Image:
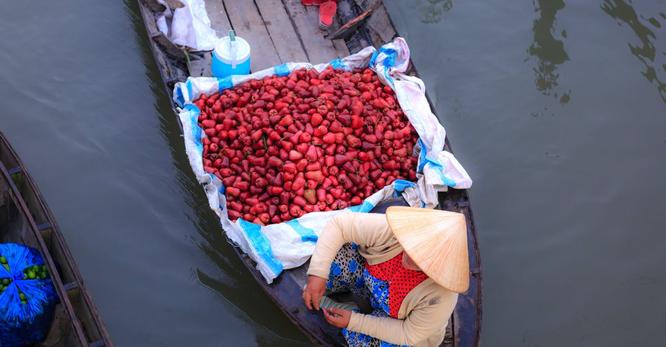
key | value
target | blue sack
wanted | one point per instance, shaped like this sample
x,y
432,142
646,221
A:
x,y
27,296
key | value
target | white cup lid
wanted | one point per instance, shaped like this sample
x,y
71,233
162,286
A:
x,y
240,45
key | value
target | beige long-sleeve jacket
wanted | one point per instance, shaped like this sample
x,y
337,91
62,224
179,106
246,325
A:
x,y
423,314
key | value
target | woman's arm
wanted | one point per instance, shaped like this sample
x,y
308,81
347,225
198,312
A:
x,y
369,230
422,323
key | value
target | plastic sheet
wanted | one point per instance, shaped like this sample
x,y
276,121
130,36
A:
x,y
188,25
24,323
287,245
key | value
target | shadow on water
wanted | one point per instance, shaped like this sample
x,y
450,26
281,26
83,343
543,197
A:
x,y
433,10
236,286
646,52
548,50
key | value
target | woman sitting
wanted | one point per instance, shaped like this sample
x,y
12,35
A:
x,y
411,263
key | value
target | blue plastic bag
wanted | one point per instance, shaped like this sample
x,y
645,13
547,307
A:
x,y
26,304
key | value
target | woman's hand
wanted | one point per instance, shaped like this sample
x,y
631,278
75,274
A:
x,y
337,317
313,291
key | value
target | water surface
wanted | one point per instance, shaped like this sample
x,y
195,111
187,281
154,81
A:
x,y
86,109
557,109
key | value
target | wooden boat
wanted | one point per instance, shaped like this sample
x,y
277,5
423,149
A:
x,y
25,219
281,31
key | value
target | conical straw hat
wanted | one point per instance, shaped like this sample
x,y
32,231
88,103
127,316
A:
x,y
437,242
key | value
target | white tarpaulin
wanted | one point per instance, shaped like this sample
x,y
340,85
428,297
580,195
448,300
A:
x,y
289,244
188,25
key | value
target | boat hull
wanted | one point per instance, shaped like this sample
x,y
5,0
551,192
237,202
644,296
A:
x,y
26,219
294,20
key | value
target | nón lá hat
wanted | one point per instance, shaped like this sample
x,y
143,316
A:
x,y
437,242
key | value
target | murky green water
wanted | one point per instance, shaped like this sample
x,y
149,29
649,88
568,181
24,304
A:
x,y
557,109
85,107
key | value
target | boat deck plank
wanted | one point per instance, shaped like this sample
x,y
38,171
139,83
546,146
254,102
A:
x,y
200,66
380,25
219,20
379,22
248,24
306,20
282,31
339,46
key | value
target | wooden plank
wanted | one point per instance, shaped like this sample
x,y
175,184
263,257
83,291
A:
x,y
380,23
171,73
200,67
248,24
349,27
282,32
340,48
306,20
376,40
159,38
218,17
168,47
219,21
340,45
154,6
347,11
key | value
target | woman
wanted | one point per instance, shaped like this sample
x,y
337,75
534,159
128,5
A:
x,y
411,262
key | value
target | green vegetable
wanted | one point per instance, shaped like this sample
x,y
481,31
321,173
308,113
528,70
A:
x,y
35,272
18,179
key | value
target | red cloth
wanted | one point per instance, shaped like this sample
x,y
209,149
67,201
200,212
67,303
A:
x,y
312,2
400,280
327,10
